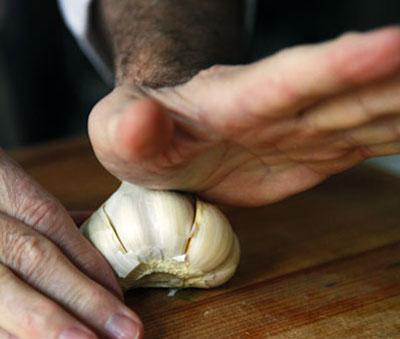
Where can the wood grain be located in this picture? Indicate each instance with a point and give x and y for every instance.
(325, 263)
(274, 306)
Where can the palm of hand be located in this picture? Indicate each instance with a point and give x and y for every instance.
(255, 134)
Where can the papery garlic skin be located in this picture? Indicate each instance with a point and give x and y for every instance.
(163, 239)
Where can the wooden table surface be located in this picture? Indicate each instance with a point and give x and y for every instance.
(323, 264)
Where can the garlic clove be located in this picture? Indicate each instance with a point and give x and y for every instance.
(152, 221)
(221, 274)
(99, 230)
(212, 238)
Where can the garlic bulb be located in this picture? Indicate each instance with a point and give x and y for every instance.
(163, 239)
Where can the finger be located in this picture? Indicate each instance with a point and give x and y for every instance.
(40, 263)
(327, 147)
(27, 314)
(136, 130)
(339, 164)
(286, 83)
(382, 132)
(356, 108)
(22, 198)
(326, 157)
(307, 73)
(382, 150)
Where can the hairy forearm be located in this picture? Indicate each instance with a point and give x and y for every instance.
(165, 42)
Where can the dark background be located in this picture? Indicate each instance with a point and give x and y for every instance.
(47, 86)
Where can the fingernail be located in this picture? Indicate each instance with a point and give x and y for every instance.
(76, 333)
(121, 327)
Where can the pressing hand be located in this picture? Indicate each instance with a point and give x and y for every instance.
(256, 134)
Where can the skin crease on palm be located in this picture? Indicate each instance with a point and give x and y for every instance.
(255, 134)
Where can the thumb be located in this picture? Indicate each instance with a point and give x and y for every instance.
(124, 128)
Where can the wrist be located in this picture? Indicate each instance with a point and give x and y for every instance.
(152, 69)
(158, 44)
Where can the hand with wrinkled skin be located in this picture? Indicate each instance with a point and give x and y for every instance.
(52, 281)
(256, 134)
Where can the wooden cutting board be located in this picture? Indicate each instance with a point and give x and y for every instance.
(323, 264)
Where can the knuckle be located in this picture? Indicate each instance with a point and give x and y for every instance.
(41, 210)
(30, 254)
(88, 299)
(213, 71)
(97, 296)
(44, 215)
(349, 36)
(286, 52)
(362, 106)
(308, 126)
(42, 317)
